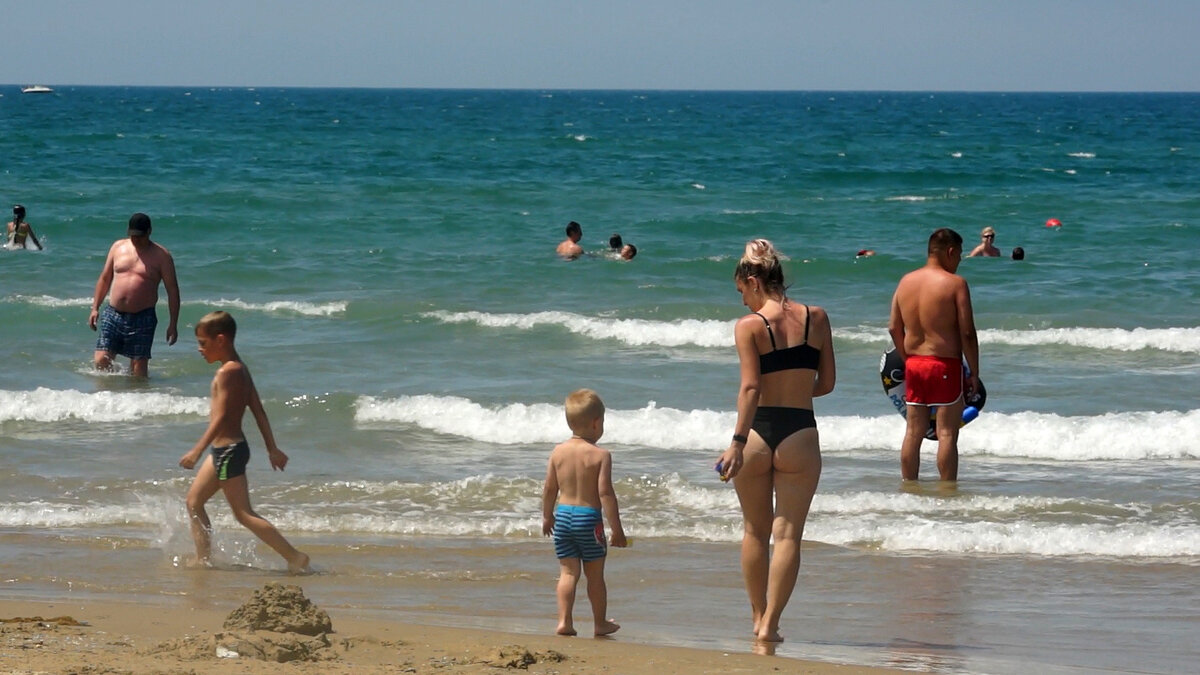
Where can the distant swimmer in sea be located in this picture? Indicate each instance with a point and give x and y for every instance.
(20, 231)
(569, 248)
(864, 253)
(133, 270)
(985, 248)
(628, 251)
(1018, 253)
(615, 243)
(785, 352)
(933, 327)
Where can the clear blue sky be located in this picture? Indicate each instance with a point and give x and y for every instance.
(972, 45)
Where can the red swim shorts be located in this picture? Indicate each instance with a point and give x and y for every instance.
(932, 380)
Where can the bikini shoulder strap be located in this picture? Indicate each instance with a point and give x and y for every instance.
(770, 333)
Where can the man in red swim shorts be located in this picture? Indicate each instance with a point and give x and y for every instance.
(933, 327)
(932, 380)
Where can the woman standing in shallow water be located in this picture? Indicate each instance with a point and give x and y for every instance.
(786, 354)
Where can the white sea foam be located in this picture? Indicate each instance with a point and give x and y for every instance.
(1182, 340)
(719, 334)
(638, 332)
(49, 301)
(282, 306)
(1082, 155)
(276, 306)
(674, 508)
(1126, 539)
(50, 514)
(50, 405)
(663, 507)
(1114, 436)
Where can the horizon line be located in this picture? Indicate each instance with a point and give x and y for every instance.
(612, 89)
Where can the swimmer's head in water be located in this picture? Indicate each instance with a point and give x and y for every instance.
(614, 242)
(18, 211)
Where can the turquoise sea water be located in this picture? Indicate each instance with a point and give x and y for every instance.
(389, 258)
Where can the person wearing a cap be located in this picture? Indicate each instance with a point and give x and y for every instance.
(986, 248)
(19, 231)
(132, 272)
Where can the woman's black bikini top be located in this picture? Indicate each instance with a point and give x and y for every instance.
(791, 358)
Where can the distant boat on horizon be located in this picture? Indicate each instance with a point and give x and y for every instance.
(36, 89)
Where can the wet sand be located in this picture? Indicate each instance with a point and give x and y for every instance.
(124, 637)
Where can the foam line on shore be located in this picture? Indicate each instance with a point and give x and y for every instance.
(1112, 436)
(713, 333)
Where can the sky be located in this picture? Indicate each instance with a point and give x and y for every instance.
(906, 45)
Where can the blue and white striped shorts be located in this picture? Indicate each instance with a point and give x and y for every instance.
(579, 533)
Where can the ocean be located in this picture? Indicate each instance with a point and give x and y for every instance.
(389, 257)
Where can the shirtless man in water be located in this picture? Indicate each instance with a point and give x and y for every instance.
(934, 330)
(569, 248)
(134, 269)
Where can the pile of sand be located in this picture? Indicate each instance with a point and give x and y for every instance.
(518, 657)
(277, 624)
(280, 609)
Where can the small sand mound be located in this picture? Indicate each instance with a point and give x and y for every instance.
(516, 656)
(262, 645)
(280, 609)
(277, 647)
(58, 620)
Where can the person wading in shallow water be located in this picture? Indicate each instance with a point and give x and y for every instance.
(132, 272)
(933, 327)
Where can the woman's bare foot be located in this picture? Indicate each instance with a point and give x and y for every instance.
(607, 628)
(769, 636)
(299, 564)
(565, 629)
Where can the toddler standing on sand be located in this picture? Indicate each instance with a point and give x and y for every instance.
(579, 477)
(232, 392)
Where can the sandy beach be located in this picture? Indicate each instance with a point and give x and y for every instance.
(115, 637)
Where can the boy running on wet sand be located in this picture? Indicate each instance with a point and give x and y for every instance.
(232, 392)
(579, 476)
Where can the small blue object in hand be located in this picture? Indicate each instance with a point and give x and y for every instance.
(720, 467)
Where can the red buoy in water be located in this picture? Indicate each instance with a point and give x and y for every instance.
(1054, 222)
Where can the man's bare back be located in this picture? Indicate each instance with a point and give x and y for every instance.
(569, 249)
(927, 301)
